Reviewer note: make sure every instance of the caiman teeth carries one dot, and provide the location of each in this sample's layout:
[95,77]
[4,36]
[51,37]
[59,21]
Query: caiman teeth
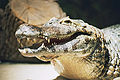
[52,44]
[18,40]
[55,43]
[28,39]
[26,50]
[22,51]
[46,38]
[34,40]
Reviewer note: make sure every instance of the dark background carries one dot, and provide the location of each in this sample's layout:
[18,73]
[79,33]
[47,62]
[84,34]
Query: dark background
[101,13]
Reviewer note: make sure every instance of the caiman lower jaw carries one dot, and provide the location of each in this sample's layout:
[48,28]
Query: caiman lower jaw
[42,55]
[46,53]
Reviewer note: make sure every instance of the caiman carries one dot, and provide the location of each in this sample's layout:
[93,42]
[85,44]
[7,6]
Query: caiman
[76,49]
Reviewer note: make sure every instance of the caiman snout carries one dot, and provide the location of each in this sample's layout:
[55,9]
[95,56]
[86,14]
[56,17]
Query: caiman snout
[28,36]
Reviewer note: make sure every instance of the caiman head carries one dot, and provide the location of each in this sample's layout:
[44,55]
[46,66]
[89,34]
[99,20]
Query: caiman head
[75,48]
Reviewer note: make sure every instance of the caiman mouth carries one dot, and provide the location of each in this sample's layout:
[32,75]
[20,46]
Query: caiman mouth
[52,37]
[35,42]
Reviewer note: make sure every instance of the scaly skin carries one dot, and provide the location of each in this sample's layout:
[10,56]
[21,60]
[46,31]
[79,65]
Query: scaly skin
[76,49]
[112,37]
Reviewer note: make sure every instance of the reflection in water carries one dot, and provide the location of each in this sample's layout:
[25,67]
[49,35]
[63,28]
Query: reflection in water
[27,72]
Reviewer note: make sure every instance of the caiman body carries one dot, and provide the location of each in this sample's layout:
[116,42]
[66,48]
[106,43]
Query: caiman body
[76,49]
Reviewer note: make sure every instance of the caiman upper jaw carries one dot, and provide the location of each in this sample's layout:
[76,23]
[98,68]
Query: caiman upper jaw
[24,30]
[29,36]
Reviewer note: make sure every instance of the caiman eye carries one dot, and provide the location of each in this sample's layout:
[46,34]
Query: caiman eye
[67,21]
